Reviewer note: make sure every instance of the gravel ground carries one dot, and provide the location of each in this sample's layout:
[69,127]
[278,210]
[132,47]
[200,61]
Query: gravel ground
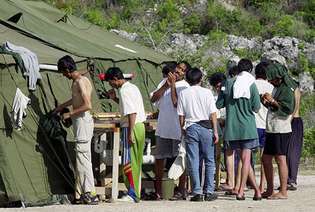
[301,200]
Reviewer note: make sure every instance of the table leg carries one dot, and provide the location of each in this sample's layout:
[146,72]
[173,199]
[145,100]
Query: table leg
[115,166]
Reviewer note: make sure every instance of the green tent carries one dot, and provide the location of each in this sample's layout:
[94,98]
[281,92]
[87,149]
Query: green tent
[73,35]
[33,167]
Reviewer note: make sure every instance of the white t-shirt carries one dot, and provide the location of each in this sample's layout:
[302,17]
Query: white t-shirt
[168,122]
[263,87]
[130,102]
[196,104]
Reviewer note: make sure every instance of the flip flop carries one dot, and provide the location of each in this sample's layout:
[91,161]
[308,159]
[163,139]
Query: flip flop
[257,198]
[265,195]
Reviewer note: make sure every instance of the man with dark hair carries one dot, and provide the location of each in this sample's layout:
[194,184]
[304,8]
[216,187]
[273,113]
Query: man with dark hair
[245,65]
[241,100]
[167,68]
[233,71]
[263,87]
[83,127]
[133,131]
[198,120]
[168,132]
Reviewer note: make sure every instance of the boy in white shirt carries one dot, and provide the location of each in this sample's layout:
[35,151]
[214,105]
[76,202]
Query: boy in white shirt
[197,115]
[133,131]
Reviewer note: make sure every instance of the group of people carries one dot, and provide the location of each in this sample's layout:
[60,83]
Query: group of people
[243,112]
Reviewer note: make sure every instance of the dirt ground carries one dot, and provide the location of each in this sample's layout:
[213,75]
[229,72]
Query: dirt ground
[301,200]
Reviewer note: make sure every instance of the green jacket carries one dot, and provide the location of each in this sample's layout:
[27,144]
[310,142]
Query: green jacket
[240,120]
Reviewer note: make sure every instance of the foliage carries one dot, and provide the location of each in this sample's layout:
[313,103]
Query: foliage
[309,143]
[307,110]
[251,54]
[289,26]
[304,65]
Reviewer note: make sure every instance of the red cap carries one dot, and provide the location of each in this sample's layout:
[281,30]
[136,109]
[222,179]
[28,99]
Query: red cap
[102,76]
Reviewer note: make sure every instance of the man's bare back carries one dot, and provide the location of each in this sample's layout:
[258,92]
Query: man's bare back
[297,96]
[81,88]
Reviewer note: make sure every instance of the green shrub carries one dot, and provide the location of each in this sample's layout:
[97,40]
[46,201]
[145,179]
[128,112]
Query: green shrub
[251,54]
[192,24]
[238,22]
[288,25]
[309,143]
[95,16]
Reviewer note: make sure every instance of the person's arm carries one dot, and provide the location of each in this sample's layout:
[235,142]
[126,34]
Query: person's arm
[112,95]
[159,93]
[255,98]
[182,123]
[297,99]
[213,118]
[63,105]
[172,80]
[270,101]
[131,124]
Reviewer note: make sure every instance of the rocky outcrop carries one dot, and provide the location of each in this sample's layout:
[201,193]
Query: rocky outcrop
[306,82]
[235,42]
[127,35]
[188,43]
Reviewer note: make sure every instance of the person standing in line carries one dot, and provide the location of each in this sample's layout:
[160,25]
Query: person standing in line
[295,143]
[217,81]
[281,104]
[241,100]
[198,120]
[83,127]
[168,132]
[133,131]
[263,87]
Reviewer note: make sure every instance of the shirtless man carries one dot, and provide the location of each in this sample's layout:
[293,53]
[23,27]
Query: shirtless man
[295,143]
[82,125]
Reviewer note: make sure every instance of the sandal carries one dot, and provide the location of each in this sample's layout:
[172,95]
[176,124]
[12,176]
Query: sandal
[152,196]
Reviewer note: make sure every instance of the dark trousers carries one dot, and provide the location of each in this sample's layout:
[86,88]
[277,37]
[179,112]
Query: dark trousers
[295,149]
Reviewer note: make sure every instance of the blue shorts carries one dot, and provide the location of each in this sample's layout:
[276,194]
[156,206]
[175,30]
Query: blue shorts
[261,137]
[244,144]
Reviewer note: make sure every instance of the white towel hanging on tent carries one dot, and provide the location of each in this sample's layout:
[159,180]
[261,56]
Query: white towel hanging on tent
[30,62]
[19,106]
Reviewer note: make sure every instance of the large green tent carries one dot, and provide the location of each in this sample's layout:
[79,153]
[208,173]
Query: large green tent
[83,39]
[30,168]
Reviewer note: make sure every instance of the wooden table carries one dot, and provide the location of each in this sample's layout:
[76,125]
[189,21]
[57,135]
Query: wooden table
[112,124]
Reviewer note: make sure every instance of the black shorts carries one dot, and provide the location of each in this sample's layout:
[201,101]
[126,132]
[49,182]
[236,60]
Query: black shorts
[276,143]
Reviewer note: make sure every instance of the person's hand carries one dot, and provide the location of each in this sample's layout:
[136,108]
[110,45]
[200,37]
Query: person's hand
[130,140]
[215,138]
[66,116]
[57,109]
[267,97]
[171,79]
[111,94]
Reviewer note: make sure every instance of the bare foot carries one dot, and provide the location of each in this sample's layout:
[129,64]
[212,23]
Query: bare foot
[262,189]
[278,195]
